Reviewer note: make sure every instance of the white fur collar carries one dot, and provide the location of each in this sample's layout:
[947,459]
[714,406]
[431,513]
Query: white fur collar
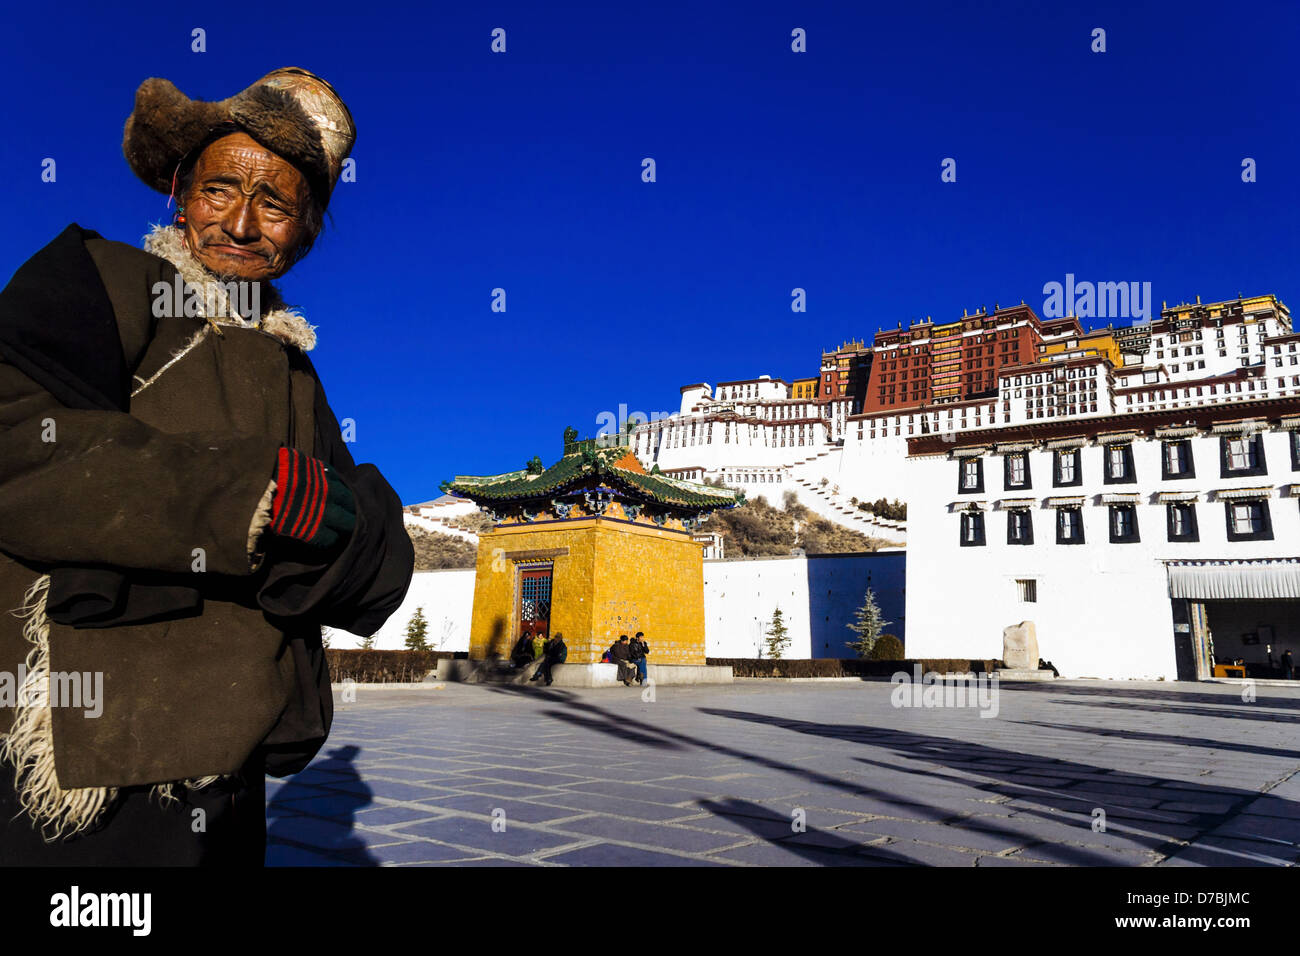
[279,320]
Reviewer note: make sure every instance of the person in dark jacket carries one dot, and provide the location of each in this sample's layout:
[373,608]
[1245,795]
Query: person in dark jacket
[1288,665]
[556,652]
[179,512]
[620,653]
[522,655]
[640,649]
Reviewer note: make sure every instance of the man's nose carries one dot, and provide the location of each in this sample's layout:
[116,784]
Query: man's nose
[241,222]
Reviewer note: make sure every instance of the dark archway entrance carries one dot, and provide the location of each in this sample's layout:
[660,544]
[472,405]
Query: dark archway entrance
[1235,618]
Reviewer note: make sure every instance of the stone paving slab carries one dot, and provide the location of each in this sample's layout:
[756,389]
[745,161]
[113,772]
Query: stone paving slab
[634,809]
[478,834]
[992,840]
[777,854]
[511,808]
[1187,774]
[612,854]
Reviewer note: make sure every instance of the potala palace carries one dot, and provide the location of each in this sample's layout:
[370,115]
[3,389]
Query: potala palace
[1049,472]
[843,434]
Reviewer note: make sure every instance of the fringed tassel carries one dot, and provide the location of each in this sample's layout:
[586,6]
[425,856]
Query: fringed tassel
[29,745]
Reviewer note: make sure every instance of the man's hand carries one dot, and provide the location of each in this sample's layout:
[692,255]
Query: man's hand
[312,504]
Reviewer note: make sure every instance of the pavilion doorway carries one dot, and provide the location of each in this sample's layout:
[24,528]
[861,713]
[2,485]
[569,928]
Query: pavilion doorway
[534,609]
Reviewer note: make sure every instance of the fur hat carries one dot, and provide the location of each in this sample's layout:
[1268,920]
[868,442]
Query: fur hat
[290,111]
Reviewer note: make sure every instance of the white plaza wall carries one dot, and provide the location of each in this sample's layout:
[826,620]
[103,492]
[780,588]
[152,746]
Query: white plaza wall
[740,598]
[448,601]
[1103,609]
[817,597]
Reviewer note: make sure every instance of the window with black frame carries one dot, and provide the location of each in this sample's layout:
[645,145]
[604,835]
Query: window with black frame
[1242,456]
[1067,468]
[972,529]
[1020,526]
[1295,448]
[1119,468]
[1069,526]
[970,475]
[1015,472]
[1181,520]
[1176,459]
[1123,524]
[1248,520]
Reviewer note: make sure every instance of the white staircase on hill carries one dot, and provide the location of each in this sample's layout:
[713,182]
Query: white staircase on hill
[439,526]
[443,516]
[806,476]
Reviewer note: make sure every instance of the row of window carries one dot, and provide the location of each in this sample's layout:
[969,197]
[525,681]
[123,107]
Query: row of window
[1239,456]
[1246,521]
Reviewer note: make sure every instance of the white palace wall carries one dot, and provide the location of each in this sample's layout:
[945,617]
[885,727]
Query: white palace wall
[1103,609]
[817,597]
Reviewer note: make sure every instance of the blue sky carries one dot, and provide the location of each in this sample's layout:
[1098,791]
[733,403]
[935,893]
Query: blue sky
[775,170]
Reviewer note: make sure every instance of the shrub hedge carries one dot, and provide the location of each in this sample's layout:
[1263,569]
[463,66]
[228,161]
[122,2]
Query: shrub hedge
[888,648]
[411,667]
[383,667]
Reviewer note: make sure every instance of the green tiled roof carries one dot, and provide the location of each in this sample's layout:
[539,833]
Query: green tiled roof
[585,460]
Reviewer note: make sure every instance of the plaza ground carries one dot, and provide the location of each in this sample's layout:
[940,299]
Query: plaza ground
[1185,774]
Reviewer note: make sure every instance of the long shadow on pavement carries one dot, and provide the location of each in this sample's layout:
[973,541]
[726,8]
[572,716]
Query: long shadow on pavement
[312,816]
[1242,712]
[1065,792]
[619,726]
[1174,739]
[1168,696]
[816,846]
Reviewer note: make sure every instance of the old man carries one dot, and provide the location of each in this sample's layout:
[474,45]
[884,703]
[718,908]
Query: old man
[179,513]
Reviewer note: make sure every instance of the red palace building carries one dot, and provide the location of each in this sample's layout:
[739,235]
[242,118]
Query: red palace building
[928,364]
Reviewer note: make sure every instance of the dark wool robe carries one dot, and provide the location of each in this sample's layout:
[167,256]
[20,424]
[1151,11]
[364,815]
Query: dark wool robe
[165,435]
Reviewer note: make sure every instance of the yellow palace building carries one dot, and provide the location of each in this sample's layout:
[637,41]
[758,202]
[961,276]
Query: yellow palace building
[592,547]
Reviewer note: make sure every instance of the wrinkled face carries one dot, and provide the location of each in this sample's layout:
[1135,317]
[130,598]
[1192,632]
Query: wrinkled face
[245,209]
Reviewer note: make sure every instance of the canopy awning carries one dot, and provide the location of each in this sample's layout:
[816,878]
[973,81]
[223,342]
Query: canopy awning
[1064,443]
[1113,438]
[1235,580]
[1243,494]
[1017,504]
[1120,498]
[1241,427]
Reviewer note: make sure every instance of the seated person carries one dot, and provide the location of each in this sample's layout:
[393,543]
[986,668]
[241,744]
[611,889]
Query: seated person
[556,652]
[639,651]
[522,655]
[621,654]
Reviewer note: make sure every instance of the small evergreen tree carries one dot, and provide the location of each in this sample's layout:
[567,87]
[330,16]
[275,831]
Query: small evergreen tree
[868,625]
[778,636]
[417,632]
[368,642]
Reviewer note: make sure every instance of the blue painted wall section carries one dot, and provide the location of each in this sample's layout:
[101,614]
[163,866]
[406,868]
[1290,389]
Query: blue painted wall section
[837,585]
